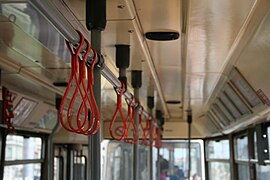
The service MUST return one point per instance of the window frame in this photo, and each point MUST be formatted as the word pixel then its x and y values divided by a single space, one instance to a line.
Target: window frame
pixel 208 160
pixel 24 133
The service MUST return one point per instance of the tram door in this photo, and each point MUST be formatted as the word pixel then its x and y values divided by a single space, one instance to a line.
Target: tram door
pixel 70 162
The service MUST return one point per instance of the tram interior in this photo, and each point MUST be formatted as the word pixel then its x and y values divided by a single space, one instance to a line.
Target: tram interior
pixel 214 71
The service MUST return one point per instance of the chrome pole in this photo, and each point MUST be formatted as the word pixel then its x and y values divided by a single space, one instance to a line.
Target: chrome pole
pixel 68 32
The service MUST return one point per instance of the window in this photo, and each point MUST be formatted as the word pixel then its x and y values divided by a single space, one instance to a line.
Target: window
pixel 25 171
pixel 220 115
pixel 224 109
pixel 22 110
pixel 48 120
pixel 19 148
pixel 241 152
pixel 213 120
pixel 218 149
pixel 23 157
pixel 242 157
pixel 243 171
pixel 118 155
pixel 79 168
pixel 218 159
pixel 237 101
pixel 29 20
pixel 263 172
pixel 58 167
pixel 241 84
pixel 176 155
pixel 231 107
pixel 220 171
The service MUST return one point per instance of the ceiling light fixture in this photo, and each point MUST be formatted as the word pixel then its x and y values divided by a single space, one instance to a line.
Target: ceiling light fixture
pixel 162 35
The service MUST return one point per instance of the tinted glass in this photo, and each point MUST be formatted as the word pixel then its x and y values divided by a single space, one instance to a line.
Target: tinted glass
pixel 243 172
pixel 219 171
pixel 176 156
pixel 241 148
pixel 48 120
pixel 263 172
pixel 26 171
pixel 218 149
pixel 23 109
pixel 19 148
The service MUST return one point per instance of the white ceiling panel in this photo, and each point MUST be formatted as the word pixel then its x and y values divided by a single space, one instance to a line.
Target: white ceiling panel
pixel 213 27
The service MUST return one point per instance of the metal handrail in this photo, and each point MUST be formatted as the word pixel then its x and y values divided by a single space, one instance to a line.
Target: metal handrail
pixel 69 33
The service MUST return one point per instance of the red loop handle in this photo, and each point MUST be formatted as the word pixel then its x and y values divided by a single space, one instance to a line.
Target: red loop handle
pixel 73 77
pixel 131 123
pixel 147 138
pixel 85 92
pixel 123 129
pixel 7 108
pixel 158 142
pixel 95 115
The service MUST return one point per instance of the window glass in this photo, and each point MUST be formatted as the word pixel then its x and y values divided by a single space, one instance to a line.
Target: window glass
pixel 220 115
pixel 23 171
pixel 79 167
pixel 236 100
pixel 118 155
pixel 231 107
pixel 48 120
pixel 243 171
pixel 255 146
pixel 213 120
pixel 218 149
pixel 58 168
pixel 155 159
pixel 22 110
pixel 241 148
pixel 220 171
pixel 263 172
pixel 174 160
pixel 19 147
pixel 224 109
pixel 268 136
pixel 28 19
pixel 244 88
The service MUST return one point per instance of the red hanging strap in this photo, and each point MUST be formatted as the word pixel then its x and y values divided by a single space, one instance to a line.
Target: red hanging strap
pixel 119 132
pixel 158 142
pixel 7 113
pixel 73 78
pixel 80 83
pixel 95 115
pixel 147 137
pixel 85 92
pixel 131 123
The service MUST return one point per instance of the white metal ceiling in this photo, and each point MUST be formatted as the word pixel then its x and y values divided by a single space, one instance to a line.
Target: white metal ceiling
pixel 189 69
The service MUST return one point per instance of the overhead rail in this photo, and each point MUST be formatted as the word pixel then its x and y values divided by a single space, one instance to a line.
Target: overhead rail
pixel 75 44
pixel 79 68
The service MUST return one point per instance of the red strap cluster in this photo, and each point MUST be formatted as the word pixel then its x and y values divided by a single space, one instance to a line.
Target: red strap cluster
pixel 131 127
pixel 119 132
pixel 128 131
pixel 85 119
pixel 151 132
pixel 7 113
pixel 157 138
pixel 147 129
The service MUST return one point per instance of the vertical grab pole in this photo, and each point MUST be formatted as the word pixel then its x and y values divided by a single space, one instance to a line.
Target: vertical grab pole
pixel 95 140
pixel 96 22
pixel 189 120
pixel 136 82
pixel 150 104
